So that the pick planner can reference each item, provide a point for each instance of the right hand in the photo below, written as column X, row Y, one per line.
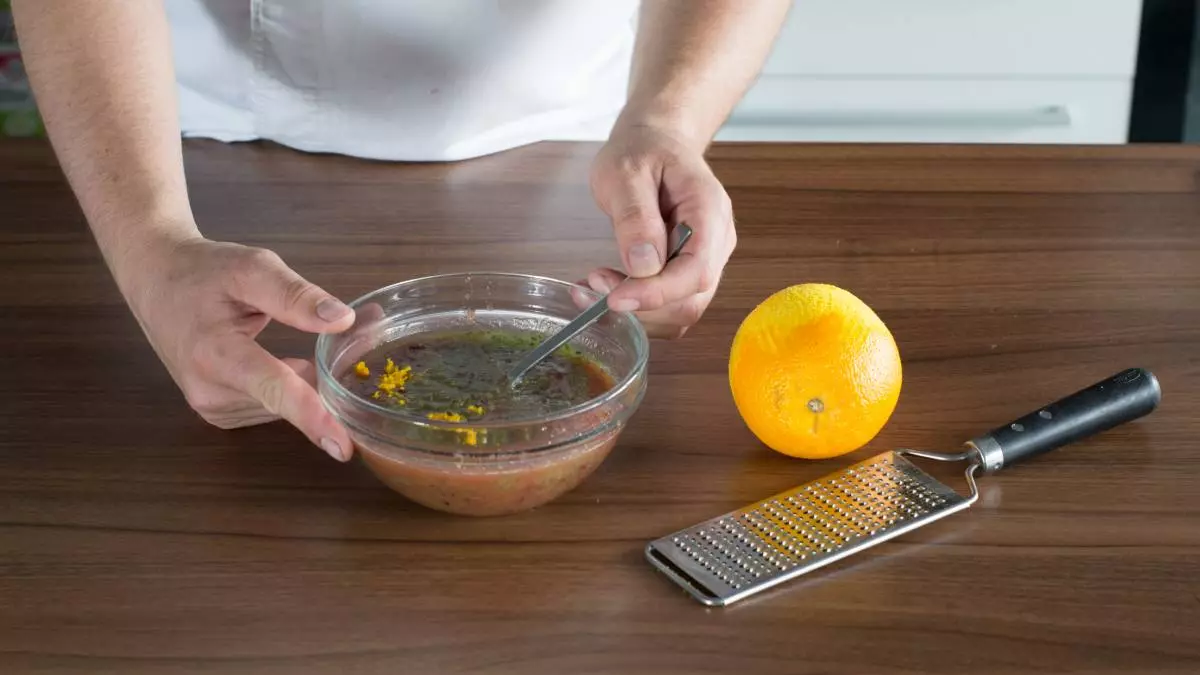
column 202, row 303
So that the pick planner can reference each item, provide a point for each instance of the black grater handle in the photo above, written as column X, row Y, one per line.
column 1124, row 397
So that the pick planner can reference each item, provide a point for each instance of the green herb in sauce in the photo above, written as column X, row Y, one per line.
column 460, row 376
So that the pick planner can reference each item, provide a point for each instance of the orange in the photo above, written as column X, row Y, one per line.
column 814, row 372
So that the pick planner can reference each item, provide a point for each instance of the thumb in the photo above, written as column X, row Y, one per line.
column 276, row 290
column 632, row 203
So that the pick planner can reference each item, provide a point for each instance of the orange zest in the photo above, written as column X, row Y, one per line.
column 393, row 379
column 390, row 385
column 469, row 436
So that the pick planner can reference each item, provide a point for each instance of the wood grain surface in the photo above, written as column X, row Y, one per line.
column 136, row 539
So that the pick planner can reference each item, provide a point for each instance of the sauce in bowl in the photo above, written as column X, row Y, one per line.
column 459, row 378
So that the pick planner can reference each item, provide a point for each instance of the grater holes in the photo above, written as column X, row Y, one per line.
column 798, row 530
column 769, row 533
column 822, row 519
column 724, row 551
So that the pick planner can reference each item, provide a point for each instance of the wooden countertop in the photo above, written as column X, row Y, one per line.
column 136, row 539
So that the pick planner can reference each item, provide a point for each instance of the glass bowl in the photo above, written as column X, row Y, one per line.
column 491, row 467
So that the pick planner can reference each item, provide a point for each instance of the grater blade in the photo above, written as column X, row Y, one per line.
column 731, row 557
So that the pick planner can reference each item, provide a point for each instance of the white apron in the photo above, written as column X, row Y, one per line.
column 413, row 80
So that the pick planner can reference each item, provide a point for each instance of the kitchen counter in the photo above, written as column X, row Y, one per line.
column 134, row 538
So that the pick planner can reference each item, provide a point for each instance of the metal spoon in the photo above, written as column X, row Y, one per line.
column 678, row 237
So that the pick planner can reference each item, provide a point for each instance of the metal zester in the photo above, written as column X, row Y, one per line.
column 734, row 556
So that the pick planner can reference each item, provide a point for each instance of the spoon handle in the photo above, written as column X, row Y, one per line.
column 680, row 235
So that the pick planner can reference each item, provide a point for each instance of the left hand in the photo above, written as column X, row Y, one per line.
column 643, row 178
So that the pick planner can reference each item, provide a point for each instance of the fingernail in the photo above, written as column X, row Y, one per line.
column 644, row 260
column 599, row 284
column 624, row 305
column 333, row 448
column 332, row 309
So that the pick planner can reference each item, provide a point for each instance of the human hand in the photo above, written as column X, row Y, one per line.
column 643, row 178
column 202, row 303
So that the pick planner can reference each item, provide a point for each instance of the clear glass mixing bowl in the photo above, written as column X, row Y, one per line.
column 489, row 468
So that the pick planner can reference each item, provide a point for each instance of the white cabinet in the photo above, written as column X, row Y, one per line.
column 987, row 71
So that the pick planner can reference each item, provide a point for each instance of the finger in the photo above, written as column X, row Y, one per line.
column 282, row 391
column 580, row 297
column 637, row 222
column 250, row 416
column 669, row 321
column 304, row 368
column 225, row 407
column 683, row 277
column 366, row 333
column 266, row 283
column 368, row 314
column 604, row 280
column 695, row 270
column 673, row 320
column 600, row 282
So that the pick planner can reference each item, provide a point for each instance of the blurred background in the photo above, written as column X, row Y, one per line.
column 18, row 115
column 984, row 71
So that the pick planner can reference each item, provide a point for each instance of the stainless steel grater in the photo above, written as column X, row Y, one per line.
column 731, row 557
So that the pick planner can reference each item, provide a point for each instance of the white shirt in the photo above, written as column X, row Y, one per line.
column 416, row 80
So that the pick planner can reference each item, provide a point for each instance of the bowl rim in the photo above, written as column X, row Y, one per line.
column 641, row 344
